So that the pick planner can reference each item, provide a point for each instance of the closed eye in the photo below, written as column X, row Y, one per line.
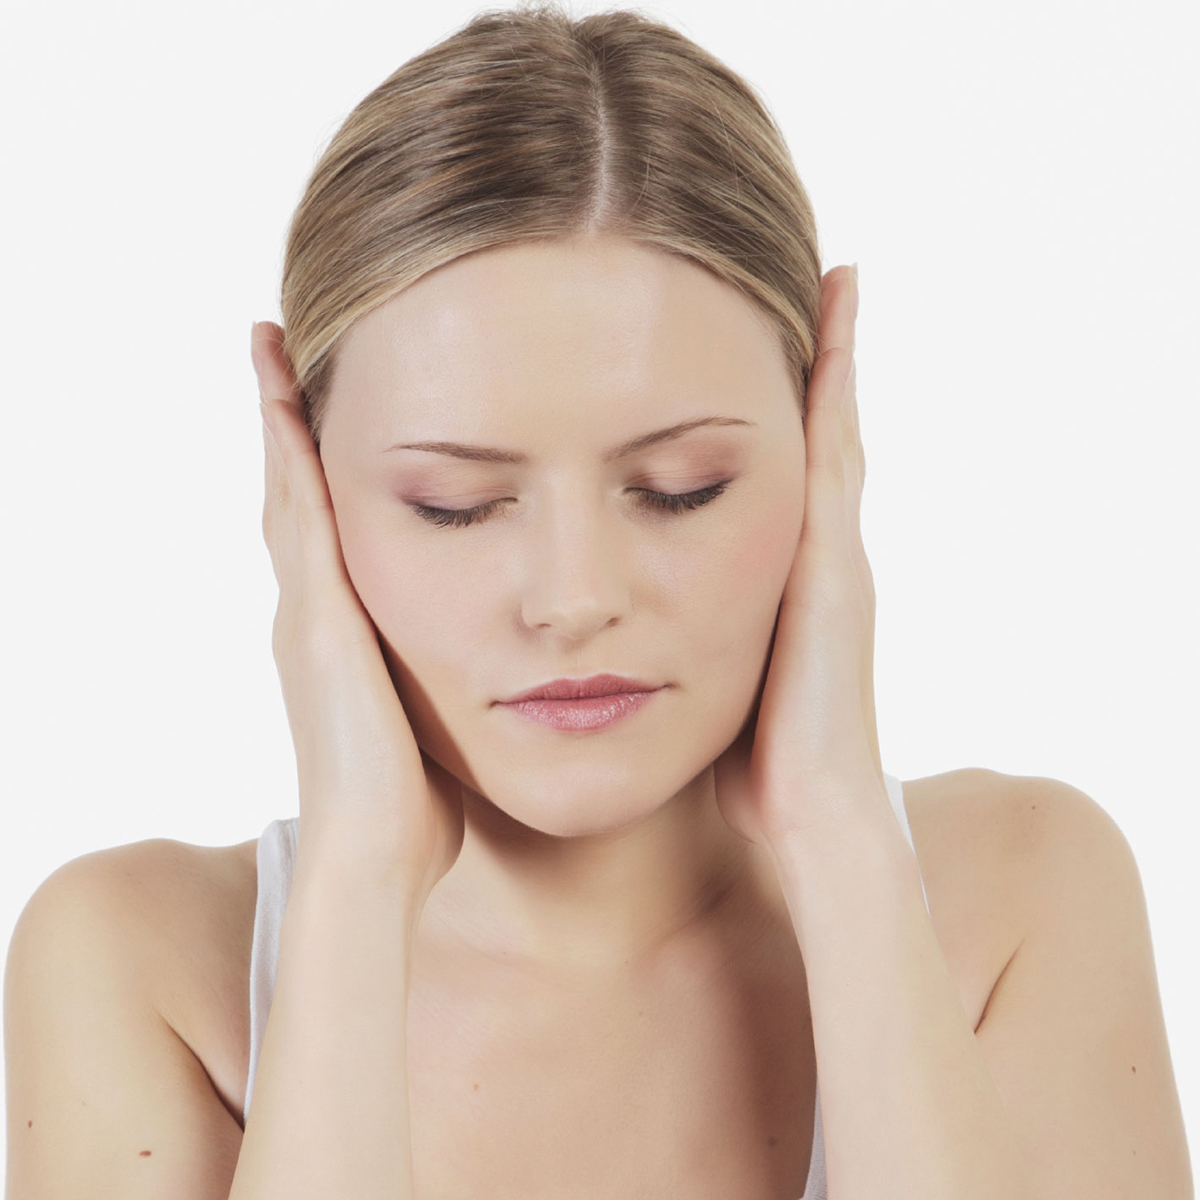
column 662, row 501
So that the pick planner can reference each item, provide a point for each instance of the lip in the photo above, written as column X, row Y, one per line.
column 582, row 689
column 587, row 713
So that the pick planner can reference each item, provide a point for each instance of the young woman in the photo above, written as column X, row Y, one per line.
column 564, row 404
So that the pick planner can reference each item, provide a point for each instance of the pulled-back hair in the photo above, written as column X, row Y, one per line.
column 529, row 124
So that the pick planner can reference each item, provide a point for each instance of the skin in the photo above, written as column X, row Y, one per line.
column 579, row 849
column 1015, row 1085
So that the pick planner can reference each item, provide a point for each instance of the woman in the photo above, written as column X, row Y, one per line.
column 563, row 397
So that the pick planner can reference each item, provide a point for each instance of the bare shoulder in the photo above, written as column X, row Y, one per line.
column 989, row 845
column 122, row 1021
column 1072, row 1028
column 185, row 916
column 975, row 818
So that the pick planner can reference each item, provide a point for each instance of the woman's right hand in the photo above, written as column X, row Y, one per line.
column 366, row 789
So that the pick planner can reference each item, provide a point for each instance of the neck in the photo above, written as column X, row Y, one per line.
column 605, row 900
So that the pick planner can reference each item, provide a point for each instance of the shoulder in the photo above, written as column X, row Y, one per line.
column 177, row 921
column 142, row 887
column 1021, row 823
column 105, row 974
column 994, row 849
column 172, row 907
column 1072, row 1027
column 156, row 890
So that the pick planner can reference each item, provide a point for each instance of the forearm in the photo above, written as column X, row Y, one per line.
column 908, row 1105
column 330, row 1106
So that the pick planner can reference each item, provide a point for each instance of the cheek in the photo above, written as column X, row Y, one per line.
column 743, row 572
column 416, row 596
column 430, row 605
column 729, row 606
column 429, row 622
column 764, row 555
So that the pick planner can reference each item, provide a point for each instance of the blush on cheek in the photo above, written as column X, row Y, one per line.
column 396, row 591
column 766, row 548
column 404, row 601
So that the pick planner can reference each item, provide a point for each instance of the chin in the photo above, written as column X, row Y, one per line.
column 589, row 792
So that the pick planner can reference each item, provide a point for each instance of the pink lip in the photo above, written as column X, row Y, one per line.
column 579, row 689
column 592, row 712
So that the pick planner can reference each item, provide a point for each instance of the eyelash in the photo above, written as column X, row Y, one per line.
column 673, row 502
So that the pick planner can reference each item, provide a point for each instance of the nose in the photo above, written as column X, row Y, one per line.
column 577, row 576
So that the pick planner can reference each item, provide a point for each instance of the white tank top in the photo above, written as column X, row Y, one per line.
column 276, row 858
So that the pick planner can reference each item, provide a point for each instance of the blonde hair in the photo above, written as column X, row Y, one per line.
column 529, row 124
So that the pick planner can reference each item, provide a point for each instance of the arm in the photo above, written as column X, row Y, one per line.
column 380, row 824
column 103, row 1096
column 1042, row 1101
column 1073, row 1033
column 329, row 1116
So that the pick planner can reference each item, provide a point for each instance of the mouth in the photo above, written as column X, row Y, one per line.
column 593, row 687
column 584, row 713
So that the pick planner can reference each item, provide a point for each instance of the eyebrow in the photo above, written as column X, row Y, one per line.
column 489, row 454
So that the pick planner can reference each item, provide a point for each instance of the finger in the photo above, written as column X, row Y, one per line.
column 275, row 378
column 305, row 548
column 275, row 491
column 826, row 434
column 854, row 458
column 276, row 383
column 836, row 489
column 274, row 483
column 839, row 309
column 853, row 461
column 848, row 402
column 824, row 431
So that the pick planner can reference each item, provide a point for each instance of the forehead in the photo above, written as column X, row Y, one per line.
column 581, row 321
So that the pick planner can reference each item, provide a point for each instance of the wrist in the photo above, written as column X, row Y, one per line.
column 857, row 839
column 346, row 869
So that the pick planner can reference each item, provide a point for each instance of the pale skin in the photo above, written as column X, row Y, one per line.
column 590, row 850
column 606, row 973
column 598, row 857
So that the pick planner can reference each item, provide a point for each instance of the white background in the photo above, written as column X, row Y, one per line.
column 1018, row 184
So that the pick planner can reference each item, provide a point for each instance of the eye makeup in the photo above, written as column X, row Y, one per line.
column 669, row 502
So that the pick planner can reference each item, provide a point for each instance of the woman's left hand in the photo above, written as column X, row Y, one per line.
column 810, row 756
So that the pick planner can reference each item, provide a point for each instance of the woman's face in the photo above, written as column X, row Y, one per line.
column 558, row 353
